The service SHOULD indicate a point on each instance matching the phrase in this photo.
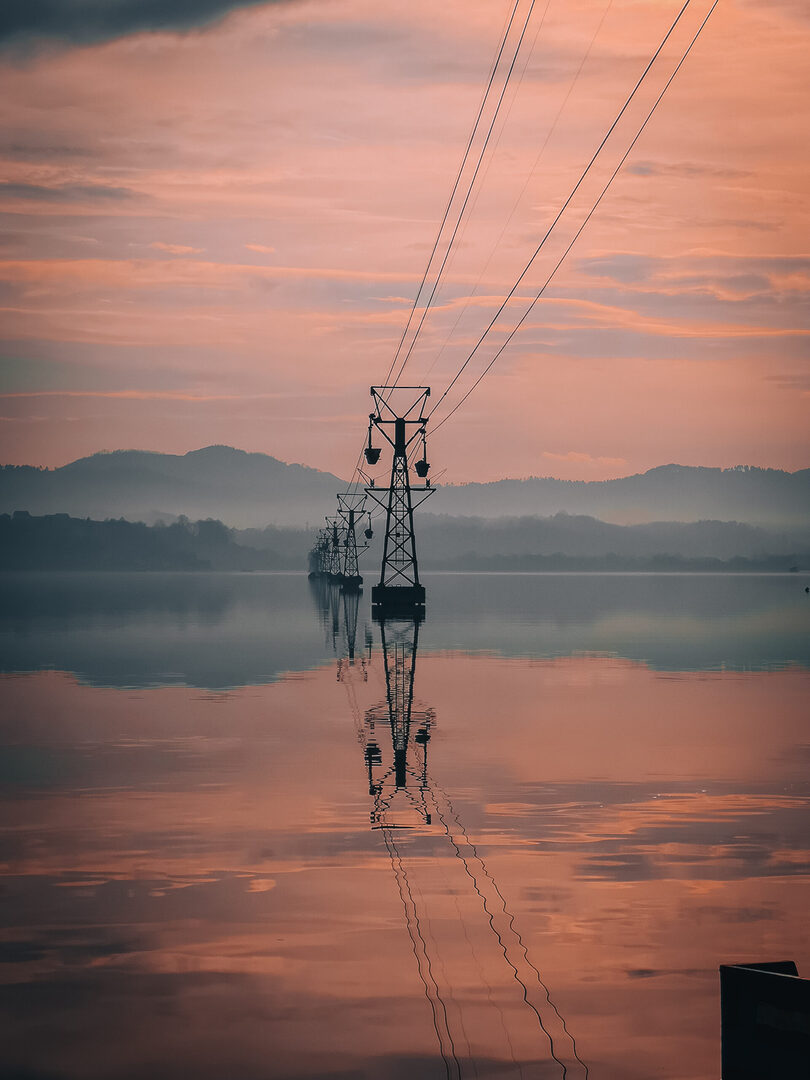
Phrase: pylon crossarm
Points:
(379, 424)
(351, 500)
(418, 402)
(372, 492)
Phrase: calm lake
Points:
(249, 833)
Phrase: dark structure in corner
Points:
(765, 1022)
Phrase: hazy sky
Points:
(214, 225)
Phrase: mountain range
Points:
(215, 482)
(252, 490)
(769, 497)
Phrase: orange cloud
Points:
(176, 249)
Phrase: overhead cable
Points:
(355, 481)
(576, 235)
(470, 186)
(566, 204)
(459, 174)
(529, 176)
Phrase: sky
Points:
(216, 216)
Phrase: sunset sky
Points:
(214, 226)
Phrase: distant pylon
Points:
(402, 408)
(319, 555)
(350, 506)
(334, 554)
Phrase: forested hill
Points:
(254, 490)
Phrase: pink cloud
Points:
(577, 458)
(176, 249)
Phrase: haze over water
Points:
(197, 883)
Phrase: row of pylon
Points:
(399, 417)
(335, 556)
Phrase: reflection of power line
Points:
(482, 976)
(414, 932)
(491, 918)
(510, 916)
(445, 979)
(416, 951)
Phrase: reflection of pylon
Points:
(351, 601)
(410, 728)
(398, 784)
(402, 408)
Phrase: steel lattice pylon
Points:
(333, 567)
(350, 506)
(399, 589)
(320, 556)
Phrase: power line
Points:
(578, 232)
(530, 174)
(491, 158)
(355, 481)
(564, 206)
(469, 190)
(459, 174)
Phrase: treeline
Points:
(60, 542)
(610, 563)
(445, 539)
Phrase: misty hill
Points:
(445, 541)
(448, 543)
(253, 490)
(667, 493)
(217, 481)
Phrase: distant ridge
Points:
(771, 497)
(251, 490)
(215, 481)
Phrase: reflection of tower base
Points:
(351, 584)
(398, 600)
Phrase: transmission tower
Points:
(400, 411)
(319, 555)
(351, 505)
(334, 559)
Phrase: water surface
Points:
(212, 869)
